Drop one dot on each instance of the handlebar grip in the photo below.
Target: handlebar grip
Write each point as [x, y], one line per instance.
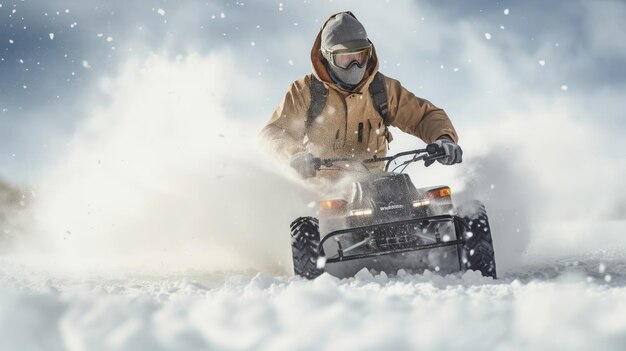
[317, 163]
[433, 149]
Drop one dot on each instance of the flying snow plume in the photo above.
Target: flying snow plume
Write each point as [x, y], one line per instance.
[543, 189]
[162, 180]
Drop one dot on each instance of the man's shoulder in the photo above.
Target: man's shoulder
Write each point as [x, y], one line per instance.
[389, 80]
[393, 85]
[302, 82]
[301, 85]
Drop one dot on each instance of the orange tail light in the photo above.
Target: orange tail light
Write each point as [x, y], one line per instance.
[439, 193]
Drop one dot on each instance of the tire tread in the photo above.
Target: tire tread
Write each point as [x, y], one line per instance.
[305, 240]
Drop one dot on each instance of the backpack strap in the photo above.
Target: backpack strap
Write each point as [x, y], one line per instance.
[379, 96]
[319, 95]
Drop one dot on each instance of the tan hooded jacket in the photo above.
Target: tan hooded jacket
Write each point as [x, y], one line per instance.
[334, 133]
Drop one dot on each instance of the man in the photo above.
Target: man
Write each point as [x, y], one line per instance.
[344, 107]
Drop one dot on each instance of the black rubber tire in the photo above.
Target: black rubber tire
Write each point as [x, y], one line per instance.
[478, 252]
[305, 241]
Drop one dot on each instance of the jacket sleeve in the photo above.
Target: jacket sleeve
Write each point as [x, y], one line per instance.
[283, 135]
[417, 116]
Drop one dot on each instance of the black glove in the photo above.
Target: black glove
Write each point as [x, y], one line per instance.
[454, 154]
[304, 164]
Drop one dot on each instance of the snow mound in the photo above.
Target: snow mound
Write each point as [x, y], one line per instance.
[263, 312]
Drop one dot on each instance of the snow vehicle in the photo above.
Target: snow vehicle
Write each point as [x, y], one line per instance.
[383, 222]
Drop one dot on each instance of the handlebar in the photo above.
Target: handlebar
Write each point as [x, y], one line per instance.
[430, 154]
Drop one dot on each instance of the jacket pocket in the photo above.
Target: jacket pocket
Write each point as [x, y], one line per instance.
[377, 141]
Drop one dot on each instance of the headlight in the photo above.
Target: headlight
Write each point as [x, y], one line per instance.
[361, 212]
[421, 203]
[332, 207]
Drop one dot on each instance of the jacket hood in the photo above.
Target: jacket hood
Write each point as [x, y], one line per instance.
[319, 62]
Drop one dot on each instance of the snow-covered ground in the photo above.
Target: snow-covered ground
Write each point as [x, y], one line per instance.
[576, 303]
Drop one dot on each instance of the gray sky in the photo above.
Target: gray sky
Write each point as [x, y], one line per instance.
[55, 55]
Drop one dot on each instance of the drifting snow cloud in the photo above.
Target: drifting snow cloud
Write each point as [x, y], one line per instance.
[162, 180]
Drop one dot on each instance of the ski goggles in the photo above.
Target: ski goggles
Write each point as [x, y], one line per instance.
[345, 59]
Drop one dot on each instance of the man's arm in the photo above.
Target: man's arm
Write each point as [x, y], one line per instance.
[417, 116]
[284, 133]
